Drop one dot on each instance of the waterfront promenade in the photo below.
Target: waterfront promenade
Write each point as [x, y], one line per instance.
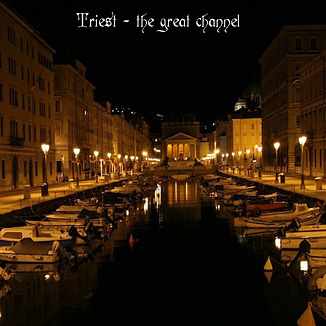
[292, 184]
[13, 200]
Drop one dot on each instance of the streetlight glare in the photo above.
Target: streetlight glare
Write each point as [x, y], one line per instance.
[277, 145]
[260, 149]
[96, 153]
[45, 147]
[76, 151]
[109, 155]
[302, 140]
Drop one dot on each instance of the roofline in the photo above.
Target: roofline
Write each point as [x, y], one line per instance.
[25, 24]
[294, 28]
[74, 70]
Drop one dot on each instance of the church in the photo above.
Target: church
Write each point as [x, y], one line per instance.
[181, 137]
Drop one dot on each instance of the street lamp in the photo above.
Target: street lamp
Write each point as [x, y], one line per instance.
[247, 159]
[239, 162]
[96, 174]
[216, 152]
[233, 161]
[45, 149]
[259, 170]
[77, 151]
[109, 157]
[276, 146]
[145, 156]
[302, 141]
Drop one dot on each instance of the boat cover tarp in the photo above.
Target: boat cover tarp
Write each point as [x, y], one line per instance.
[28, 246]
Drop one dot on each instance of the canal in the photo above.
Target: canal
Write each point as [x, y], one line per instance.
[175, 260]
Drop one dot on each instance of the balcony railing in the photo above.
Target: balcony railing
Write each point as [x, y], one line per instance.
[16, 141]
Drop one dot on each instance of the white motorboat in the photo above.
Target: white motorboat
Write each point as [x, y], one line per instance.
[28, 251]
[314, 234]
[127, 189]
[17, 233]
[180, 176]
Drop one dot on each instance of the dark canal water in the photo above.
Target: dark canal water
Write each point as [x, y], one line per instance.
[186, 267]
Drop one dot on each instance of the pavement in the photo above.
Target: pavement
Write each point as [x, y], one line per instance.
[292, 184]
[12, 200]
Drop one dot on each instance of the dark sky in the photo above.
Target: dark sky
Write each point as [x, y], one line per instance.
[181, 70]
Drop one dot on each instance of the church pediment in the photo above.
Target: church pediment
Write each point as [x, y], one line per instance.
[181, 136]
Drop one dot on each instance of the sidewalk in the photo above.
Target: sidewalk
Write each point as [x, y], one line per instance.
[292, 184]
[12, 200]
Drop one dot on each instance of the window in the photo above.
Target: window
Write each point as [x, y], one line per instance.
[29, 103]
[34, 106]
[12, 66]
[36, 172]
[33, 52]
[42, 109]
[25, 169]
[50, 136]
[42, 135]
[252, 126]
[57, 105]
[313, 43]
[44, 61]
[33, 79]
[315, 157]
[297, 44]
[1, 96]
[49, 90]
[27, 47]
[21, 44]
[35, 137]
[22, 72]
[11, 36]
[298, 121]
[28, 80]
[50, 168]
[13, 97]
[1, 126]
[3, 169]
[58, 129]
[0, 60]
[320, 158]
[41, 83]
[13, 128]
[23, 101]
[49, 111]
[24, 131]
[29, 132]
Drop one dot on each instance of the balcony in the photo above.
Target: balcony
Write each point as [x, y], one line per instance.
[16, 141]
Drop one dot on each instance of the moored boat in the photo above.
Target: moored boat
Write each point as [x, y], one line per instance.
[180, 176]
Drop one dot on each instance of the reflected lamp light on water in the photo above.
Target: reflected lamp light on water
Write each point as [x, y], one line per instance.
[278, 243]
[304, 266]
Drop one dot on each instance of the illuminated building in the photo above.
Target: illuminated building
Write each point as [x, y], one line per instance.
[26, 103]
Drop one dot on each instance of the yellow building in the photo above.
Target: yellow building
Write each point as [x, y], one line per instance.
[244, 133]
[26, 103]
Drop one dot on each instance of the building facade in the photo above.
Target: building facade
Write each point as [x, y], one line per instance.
[26, 104]
[313, 118]
[181, 136]
[75, 120]
[244, 133]
[280, 91]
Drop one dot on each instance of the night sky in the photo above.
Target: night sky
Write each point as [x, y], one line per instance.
[181, 70]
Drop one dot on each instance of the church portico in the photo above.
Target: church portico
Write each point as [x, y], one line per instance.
[181, 147]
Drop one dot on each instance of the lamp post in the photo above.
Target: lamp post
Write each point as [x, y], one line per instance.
[96, 174]
[276, 146]
[239, 162]
[248, 152]
[132, 163]
[233, 161]
[109, 157]
[126, 163]
[45, 149]
[302, 141]
[259, 168]
[77, 151]
[144, 157]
